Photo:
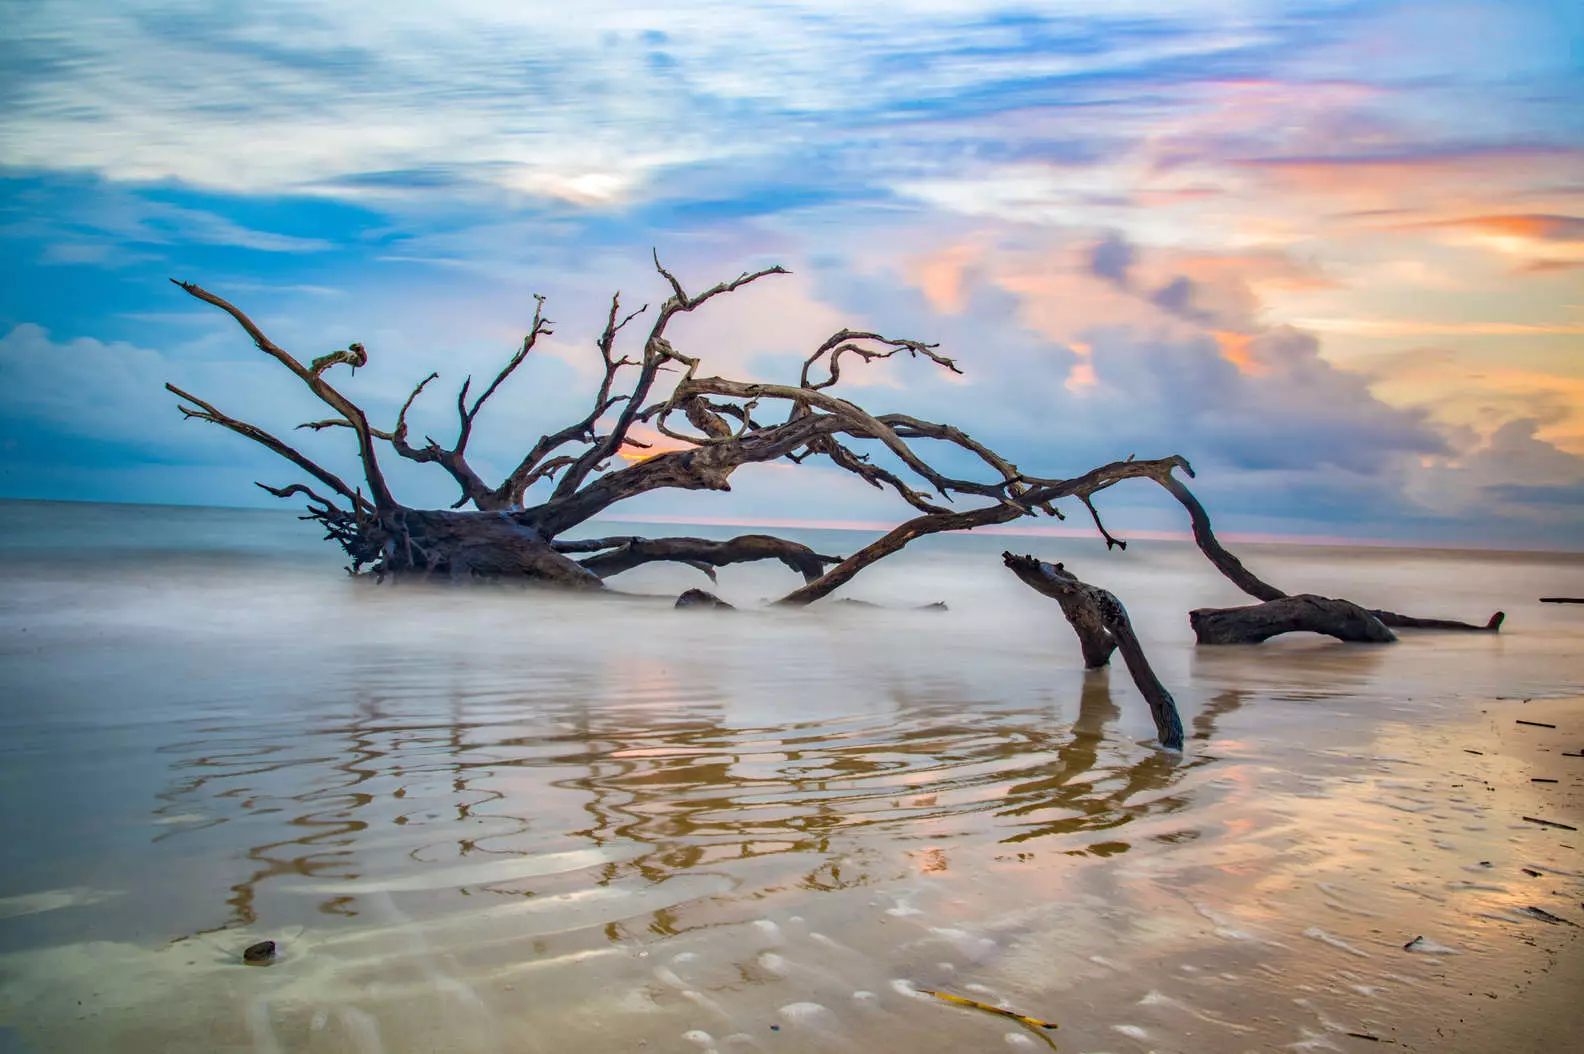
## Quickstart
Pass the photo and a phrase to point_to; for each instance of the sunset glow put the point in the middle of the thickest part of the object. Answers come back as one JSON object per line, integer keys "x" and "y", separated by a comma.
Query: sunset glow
{"x": 1334, "y": 254}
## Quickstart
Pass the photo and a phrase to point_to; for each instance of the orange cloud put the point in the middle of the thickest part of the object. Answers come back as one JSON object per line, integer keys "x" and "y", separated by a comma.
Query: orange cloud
{"x": 1411, "y": 180}
{"x": 1533, "y": 226}
{"x": 1405, "y": 327}
{"x": 1082, "y": 375}
{"x": 1235, "y": 348}
{"x": 1542, "y": 241}
{"x": 940, "y": 275}
{"x": 1483, "y": 395}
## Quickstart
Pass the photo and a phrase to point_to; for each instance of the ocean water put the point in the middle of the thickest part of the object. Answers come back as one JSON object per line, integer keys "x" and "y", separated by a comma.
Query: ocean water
{"x": 496, "y": 819}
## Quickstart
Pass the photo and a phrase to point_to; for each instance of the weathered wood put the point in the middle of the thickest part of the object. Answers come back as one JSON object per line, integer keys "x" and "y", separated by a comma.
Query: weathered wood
{"x": 1077, "y": 604}
{"x": 698, "y": 598}
{"x": 615, "y": 555}
{"x": 719, "y": 425}
{"x": 1091, "y": 604}
{"x": 1204, "y": 537}
{"x": 1391, "y": 618}
{"x": 1341, "y": 619}
{"x": 726, "y": 427}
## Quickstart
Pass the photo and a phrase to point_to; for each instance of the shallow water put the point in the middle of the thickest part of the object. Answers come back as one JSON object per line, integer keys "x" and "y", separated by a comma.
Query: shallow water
{"x": 490, "y": 820}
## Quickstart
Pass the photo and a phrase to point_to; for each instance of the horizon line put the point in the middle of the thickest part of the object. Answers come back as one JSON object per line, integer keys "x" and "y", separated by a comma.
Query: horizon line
{"x": 999, "y": 530}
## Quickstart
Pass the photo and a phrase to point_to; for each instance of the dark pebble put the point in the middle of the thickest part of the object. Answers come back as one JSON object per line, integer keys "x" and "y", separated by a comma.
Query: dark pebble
{"x": 262, "y": 952}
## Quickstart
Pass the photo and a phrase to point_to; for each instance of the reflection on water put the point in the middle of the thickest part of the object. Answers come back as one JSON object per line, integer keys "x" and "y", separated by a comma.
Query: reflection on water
{"x": 484, "y": 821}
{"x": 648, "y": 799}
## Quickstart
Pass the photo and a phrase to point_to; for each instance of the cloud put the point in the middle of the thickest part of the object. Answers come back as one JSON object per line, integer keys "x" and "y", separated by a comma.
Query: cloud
{"x": 1411, "y": 327}
{"x": 1522, "y": 482}
{"x": 1529, "y": 226}
{"x": 1111, "y": 258}
{"x": 275, "y": 96}
{"x": 1141, "y": 228}
{"x": 1538, "y": 242}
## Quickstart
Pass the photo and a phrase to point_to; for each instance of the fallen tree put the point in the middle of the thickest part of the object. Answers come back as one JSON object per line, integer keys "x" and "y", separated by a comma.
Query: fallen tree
{"x": 513, "y": 528}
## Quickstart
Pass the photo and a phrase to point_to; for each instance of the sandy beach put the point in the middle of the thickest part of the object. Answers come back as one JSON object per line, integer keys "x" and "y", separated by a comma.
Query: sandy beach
{"x": 476, "y": 824}
{"x": 1539, "y": 1011}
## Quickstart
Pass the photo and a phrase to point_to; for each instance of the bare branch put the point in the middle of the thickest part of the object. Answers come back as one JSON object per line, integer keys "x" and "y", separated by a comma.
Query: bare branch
{"x": 540, "y": 326}
{"x": 1204, "y": 536}
{"x": 1093, "y": 603}
{"x": 615, "y": 555}
{"x": 1005, "y": 511}
{"x": 874, "y": 475}
{"x": 528, "y": 470}
{"x": 842, "y": 341}
{"x": 399, "y": 434}
{"x": 1078, "y": 605}
{"x": 658, "y": 352}
{"x": 858, "y": 421}
{"x": 207, "y": 412}
{"x": 1094, "y": 513}
{"x": 301, "y": 488}
{"x": 320, "y": 387}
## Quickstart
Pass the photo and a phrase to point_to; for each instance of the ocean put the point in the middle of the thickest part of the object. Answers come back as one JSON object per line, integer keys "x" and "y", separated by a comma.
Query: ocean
{"x": 504, "y": 819}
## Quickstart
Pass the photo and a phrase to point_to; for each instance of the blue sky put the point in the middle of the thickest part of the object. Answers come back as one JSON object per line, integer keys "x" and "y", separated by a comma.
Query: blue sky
{"x": 1332, "y": 252}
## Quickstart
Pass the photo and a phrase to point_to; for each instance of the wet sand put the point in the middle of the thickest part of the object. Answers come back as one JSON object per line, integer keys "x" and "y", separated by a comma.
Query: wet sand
{"x": 481, "y": 822}
{"x": 1543, "y": 1012}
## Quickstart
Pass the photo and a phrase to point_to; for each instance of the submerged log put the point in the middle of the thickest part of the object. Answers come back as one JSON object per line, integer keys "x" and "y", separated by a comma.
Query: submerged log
{"x": 1391, "y": 618}
{"x": 615, "y": 555}
{"x": 1306, "y": 612}
{"x": 1089, "y": 608}
{"x": 1341, "y": 619}
{"x": 698, "y": 598}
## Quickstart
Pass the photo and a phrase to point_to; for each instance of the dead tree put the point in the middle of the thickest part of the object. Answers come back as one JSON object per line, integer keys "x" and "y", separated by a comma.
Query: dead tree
{"x": 513, "y": 529}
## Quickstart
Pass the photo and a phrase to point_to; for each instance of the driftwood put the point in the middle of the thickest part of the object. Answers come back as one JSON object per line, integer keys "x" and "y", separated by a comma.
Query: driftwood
{"x": 513, "y": 529}
{"x": 1341, "y": 619}
{"x": 1306, "y": 612}
{"x": 615, "y": 555}
{"x": 698, "y": 598}
{"x": 1562, "y": 600}
{"x": 1094, "y": 611}
{"x": 1391, "y": 618}
{"x": 1077, "y": 600}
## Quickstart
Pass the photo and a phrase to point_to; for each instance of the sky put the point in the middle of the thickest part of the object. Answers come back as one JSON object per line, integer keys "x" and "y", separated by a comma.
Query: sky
{"x": 1332, "y": 253}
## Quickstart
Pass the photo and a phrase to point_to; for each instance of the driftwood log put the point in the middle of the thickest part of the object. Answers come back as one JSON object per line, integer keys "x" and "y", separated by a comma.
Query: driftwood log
{"x": 1078, "y": 603}
{"x": 1341, "y": 619}
{"x": 709, "y": 426}
{"x": 1102, "y": 625}
{"x": 1306, "y": 612}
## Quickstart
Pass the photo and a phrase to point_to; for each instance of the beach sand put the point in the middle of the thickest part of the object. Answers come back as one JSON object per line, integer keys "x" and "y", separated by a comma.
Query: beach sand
{"x": 1544, "y": 1010}
{"x": 482, "y": 822}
